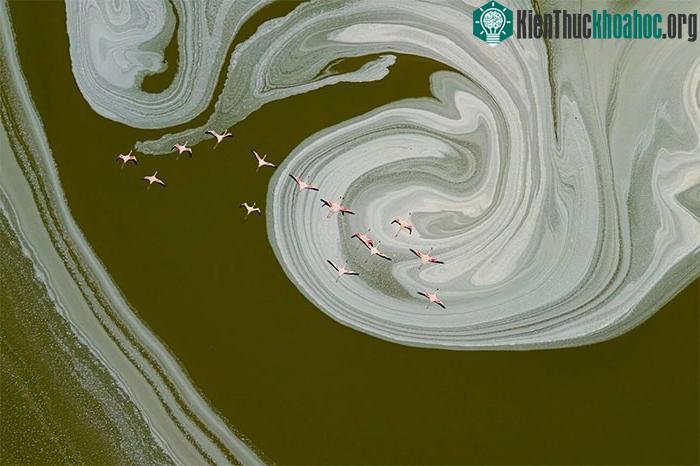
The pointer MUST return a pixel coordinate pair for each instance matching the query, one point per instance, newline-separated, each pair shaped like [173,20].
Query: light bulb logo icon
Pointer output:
[493,23]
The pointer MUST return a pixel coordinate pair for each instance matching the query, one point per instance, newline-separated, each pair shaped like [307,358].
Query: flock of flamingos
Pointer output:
[333,208]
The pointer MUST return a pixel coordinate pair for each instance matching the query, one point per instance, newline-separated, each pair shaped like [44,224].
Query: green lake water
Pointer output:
[301,387]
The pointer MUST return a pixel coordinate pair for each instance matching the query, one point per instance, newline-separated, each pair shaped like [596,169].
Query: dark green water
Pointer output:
[303,388]
[58,405]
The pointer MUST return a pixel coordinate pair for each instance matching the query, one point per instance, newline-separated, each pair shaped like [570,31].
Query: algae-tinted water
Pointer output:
[303,388]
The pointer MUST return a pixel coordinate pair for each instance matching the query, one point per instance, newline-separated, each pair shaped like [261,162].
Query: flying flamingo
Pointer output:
[373,251]
[182,148]
[369,244]
[426,257]
[219,136]
[335,207]
[403,225]
[364,239]
[341,270]
[125,158]
[432,298]
[153,179]
[249,209]
[262,162]
[302,185]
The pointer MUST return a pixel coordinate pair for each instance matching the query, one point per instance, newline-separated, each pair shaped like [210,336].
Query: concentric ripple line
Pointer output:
[552,236]
[184,425]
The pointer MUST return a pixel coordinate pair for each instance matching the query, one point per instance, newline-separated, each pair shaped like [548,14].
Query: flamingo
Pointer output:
[219,136]
[341,270]
[373,251]
[364,239]
[249,209]
[182,148]
[262,162]
[302,185]
[432,298]
[426,257]
[153,179]
[125,158]
[335,207]
[403,225]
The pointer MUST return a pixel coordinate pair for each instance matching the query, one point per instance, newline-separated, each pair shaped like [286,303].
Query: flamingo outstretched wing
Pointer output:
[367,243]
[333,265]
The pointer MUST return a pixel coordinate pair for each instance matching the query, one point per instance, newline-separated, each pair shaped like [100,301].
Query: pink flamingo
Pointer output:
[249,209]
[373,251]
[153,179]
[403,225]
[364,239]
[219,136]
[181,149]
[426,257]
[432,298]
[302,185]
[262,162]
[125,158]
[335,207]
[369,244]
[341,270]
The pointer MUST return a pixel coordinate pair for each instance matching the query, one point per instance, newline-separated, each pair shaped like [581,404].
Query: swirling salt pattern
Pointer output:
[285,57]
[113,44]
[290,55]
[551,237]
[566,215]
